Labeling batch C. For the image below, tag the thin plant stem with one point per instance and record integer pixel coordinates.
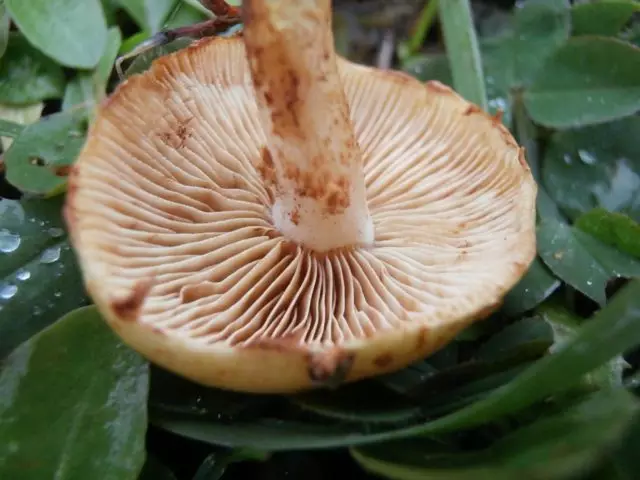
(425, 22)
(462, 49)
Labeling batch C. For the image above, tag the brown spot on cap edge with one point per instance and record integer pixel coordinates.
(127, 308)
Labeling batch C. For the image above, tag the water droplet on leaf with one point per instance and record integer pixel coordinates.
(587, 157)
(23, 275)
(50, 255)
(8, 291)
(9, 242)
(55, 232)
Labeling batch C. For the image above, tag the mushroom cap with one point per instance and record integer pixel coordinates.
(169, 214)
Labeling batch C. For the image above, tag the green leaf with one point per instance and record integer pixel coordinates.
(87, 89)
(10, 129)
(533, 288)
(597, 166)
(565, 326)
(614, 229)
(38, 160)
(581, 260)
(361, 402)
(148, 14)
(570, 261)
(17, 118)
(460, 38)
(154, 469)
(528, 334)
(602, 18)
(26, 75)
(589, 80)
(564, 445)
(514, 58)
(612, 331)
(73, 404)
(72, 32)
(184, 14)
(5, 26)
(39, 276)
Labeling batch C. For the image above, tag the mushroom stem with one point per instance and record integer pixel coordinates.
(311, 157)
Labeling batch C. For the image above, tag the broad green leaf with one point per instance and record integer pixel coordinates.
(23, 115)
(39, 159)
(612, 331)
(597, 166)
(73, 404)
(10, 129)
(361, 402)
(148, 14)
(173, 394)
(588, 80)
(88, 89)
(570, 261)
(39, 276)
(27, 76)
(72, 32)
(564, 445)
(533, 288)
(110, 8)
(602, 18)
(625, 457)
(5, 25)
(184, 14)
(153, 469)
(581, 260)
(565, 326)
(524, 336)
(615, 229)
(514, 58)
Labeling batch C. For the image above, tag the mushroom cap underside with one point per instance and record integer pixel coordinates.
(169, 213)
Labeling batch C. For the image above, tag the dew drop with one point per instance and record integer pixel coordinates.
(8, 291)
(9, 242)
(50, 255)
(587, 157)
(55, 232)
(23, 275)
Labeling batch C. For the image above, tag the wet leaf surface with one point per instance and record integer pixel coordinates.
(534, 287)
(72, 32)
(73, 404)
(596, 166)
(602, 18)
(148, 14)
(26, 75)
(39, 276)
(38, 161)
(581, 260)
(614, 229)
(588, 80)
(562, 445)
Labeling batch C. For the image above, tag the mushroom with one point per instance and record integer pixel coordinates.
(259, 214)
